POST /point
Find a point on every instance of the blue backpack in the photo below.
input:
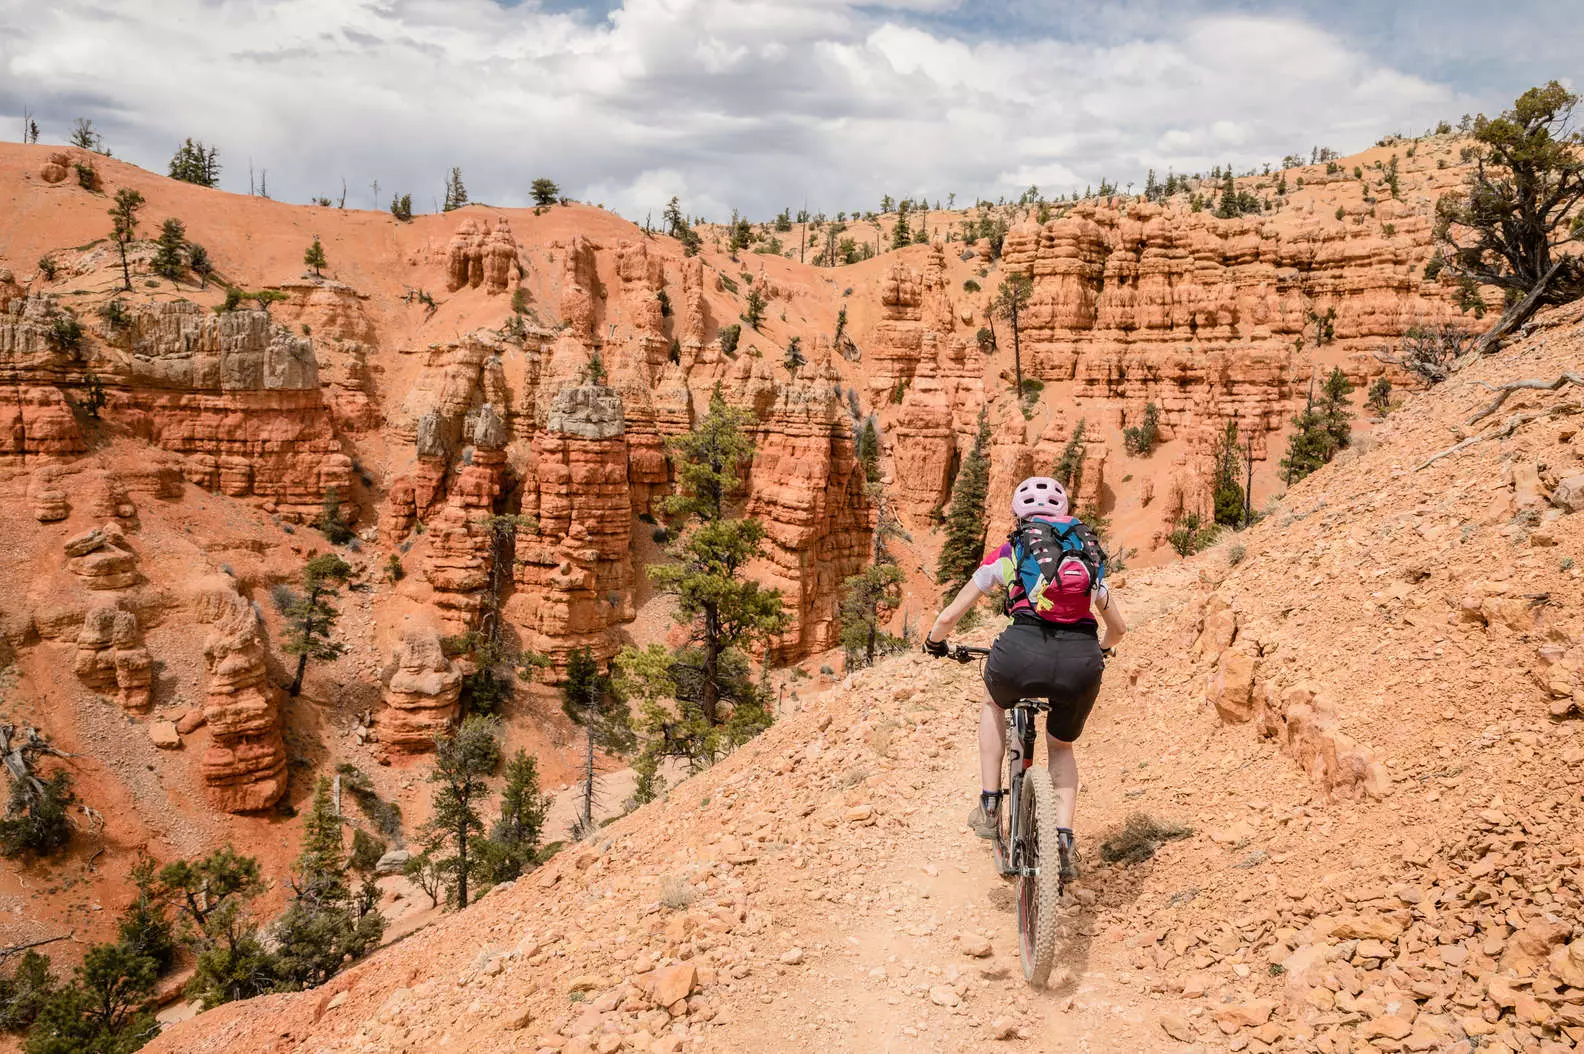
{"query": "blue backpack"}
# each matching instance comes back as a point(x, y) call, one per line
point(1059, 562)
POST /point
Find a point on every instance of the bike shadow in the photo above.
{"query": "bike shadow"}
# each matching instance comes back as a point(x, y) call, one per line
point(1103, 893)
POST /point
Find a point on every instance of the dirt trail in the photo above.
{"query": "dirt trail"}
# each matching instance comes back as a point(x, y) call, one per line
point(912, 943)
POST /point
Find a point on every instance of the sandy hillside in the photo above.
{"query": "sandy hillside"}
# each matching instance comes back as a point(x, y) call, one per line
point(1366, 708)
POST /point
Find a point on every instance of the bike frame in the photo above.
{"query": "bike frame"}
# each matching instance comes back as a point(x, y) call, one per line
point(1020, 738)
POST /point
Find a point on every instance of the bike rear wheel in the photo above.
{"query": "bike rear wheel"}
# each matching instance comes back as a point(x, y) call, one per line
point(1039, 892)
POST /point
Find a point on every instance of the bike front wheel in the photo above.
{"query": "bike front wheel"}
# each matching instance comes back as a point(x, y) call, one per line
point(1039, 878)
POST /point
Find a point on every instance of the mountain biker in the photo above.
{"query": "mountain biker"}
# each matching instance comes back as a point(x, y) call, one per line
point(1055, 656)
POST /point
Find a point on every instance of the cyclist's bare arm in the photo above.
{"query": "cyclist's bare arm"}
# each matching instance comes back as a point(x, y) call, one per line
point(1112, 626)
point(947, 620)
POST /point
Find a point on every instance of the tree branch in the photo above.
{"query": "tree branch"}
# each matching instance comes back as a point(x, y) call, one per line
point(12, 949)
point(1512, 425)
point(1528, 384)
point(1511, 319)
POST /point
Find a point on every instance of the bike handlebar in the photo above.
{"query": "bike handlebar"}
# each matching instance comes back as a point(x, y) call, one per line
point(967, 652)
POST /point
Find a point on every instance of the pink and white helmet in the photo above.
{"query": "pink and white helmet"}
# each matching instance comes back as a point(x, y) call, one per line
point(1039, 496)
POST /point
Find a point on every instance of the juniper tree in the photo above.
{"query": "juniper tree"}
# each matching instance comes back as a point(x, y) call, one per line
point(463, 762)
point(311, 617)
point(401, 207)
point(35, 818)
point(212, 896)
point(865, 598)
point(1518, 208)
point(169, 248)
point(123, 227)
point(588, 701)
point(545, 193)
point(1140, 439)
point(963, 548)
point(314, 256)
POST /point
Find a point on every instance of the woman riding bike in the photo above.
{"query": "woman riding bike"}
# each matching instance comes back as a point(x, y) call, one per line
point(1053, 653)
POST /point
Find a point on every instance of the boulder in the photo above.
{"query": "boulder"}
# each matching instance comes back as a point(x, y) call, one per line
point(163, 734)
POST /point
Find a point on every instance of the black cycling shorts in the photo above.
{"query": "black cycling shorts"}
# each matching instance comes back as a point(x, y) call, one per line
point(1061, 663)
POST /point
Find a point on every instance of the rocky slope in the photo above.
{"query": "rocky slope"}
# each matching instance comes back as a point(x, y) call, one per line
point(1366, 708)
point(459, 367)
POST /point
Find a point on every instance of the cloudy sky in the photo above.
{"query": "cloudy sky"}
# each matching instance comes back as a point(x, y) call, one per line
point(759, 104)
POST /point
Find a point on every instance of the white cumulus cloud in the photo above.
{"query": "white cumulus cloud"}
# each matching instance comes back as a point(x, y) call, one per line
point(753, 104)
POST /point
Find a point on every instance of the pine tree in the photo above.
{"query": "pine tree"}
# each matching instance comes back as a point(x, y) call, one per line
point(754, 307)
point(1227, 490)
point(168, 255)
point(963, 547)
point(311, 618)
point(455, 194)
point(709, 461)
point(1010, 300)
point(1069, 467)
point(106, 1009)
point(900, 235)
point(315, 256)
point(192, 163)
point(321, 863)
point(587, 700)
point(1309, 446)
point(463, 762)
point(1335, 409)
point(545, 193)
point(123, 227)
point(869, 450)
point(522, 816)
point(325, 926)
point(332, 523)
point(1518, 209)
point(146, 927)
point(794, 359)
point(724, 611)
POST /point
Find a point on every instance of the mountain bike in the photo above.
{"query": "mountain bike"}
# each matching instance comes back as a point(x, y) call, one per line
point(1027, 825)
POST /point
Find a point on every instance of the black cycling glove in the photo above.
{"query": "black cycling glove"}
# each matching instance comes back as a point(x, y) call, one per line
point(936, 648)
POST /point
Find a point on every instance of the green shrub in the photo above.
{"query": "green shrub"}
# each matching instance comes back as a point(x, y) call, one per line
point(1140, 440)
point(47, 267)
point(65, 334)
point(1190, 534)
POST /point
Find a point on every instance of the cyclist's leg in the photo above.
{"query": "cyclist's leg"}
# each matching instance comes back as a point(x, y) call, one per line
point(992, 744)
point(1063, 766)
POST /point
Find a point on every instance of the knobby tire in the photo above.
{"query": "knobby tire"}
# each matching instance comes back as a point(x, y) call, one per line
point(1039, 895)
